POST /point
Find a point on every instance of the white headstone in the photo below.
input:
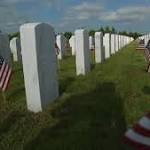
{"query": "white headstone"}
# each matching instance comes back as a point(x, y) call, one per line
point(60, 40)
point(15, 49)
point(5, 51)
point(117, 42)
point(121, 41)
point(113, 44)
point(91, 42)
point(107, 44)
point(72, 44)
point(82, 52)
point(39, 65)
point(99, 49)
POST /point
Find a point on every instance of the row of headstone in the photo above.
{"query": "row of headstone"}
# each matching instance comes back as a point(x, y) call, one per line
point(15, 47)
point(146, 38)
point(40, 62)
point(111, 43)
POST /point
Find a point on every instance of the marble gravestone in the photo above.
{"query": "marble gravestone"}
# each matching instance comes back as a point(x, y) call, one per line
point(91, 42)
point(39, 65)
point(124, 41)
point(82, 52)
point(5, 51)
point(121, 41)
point(107, 44)
point(117, 44)
point(72, 45)
point(113, 44)
point(127, 40)
point(60, 40)
point(15, 49)
point(99, 49)
point(116, 40)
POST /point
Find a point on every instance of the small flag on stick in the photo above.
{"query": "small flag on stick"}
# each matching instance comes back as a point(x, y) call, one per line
point(5, 74)
point(139, 136)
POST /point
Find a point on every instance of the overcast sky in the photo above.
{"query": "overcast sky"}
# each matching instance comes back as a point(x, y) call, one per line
point(67, 15)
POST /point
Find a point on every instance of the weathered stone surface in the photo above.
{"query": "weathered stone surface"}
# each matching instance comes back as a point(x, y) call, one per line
point(72, 44)
point(113, 43)
point(5, 51)
point(15, 49)
point(60, 40)
point(91, 43)
point(107, 44)
point(39, 65)
point(117, 42)
point(82, 52)
point(99, 49)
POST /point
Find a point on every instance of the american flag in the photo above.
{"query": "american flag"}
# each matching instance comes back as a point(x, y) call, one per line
point(5, 74)
point(139, 136)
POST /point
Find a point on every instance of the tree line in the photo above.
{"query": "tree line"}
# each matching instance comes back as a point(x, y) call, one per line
point(107, 29)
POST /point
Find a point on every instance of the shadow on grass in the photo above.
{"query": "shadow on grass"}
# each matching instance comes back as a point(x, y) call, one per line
point(90, 121)
point(64, 84)
point(9, 121)
point(15, 92)
point(93, 66)
point(146, 90)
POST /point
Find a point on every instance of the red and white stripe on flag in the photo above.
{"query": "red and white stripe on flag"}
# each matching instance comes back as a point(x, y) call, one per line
point(139, 135)
point(5, 74)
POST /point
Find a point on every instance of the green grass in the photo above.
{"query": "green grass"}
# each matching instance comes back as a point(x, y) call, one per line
point(92, 112)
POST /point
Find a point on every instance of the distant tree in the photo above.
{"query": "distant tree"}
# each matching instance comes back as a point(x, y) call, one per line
point(68, 35)
point(113, 30)
point(130, 34)
point(16, 34)
point(107, 29)
point(135, 35)
point(101, 30)
point(125, 33)
point(92, 33)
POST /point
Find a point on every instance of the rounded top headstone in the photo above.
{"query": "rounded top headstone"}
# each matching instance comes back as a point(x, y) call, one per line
point(34, 25)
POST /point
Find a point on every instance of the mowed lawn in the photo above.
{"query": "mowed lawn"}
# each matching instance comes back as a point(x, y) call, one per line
point(92, 112)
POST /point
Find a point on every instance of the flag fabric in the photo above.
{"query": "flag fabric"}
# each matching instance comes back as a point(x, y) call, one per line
point(5, 74)
point(139, 136)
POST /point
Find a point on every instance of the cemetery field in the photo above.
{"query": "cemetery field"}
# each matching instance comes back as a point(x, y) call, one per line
point(91, 113)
